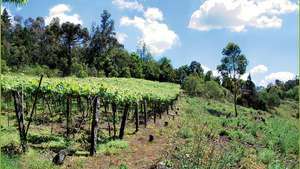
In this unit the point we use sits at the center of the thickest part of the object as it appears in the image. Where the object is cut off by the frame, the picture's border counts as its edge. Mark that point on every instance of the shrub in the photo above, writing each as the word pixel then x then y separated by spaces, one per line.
pixel 213 90
pixel 266 156
pixel 194 85
pixel 185 132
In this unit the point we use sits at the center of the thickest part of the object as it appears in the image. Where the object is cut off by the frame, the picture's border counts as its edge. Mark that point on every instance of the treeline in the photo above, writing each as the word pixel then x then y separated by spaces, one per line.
pixel 230 86
pixel 64 49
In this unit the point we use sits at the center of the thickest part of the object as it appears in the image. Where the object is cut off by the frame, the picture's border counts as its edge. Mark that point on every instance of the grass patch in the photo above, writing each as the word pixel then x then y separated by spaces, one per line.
pixel 112 147
pixel 9 162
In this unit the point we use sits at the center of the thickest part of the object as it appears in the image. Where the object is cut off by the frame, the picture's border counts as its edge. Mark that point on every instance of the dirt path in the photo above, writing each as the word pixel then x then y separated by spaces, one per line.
pixel 141 153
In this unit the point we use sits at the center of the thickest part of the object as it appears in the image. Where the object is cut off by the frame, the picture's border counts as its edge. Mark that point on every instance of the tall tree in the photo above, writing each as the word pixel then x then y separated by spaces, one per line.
pixel 72 35
pixel 167 74
pixel 103 38
pixel 182 72
pixel 195 68
pixel 233 65
pixel 5 34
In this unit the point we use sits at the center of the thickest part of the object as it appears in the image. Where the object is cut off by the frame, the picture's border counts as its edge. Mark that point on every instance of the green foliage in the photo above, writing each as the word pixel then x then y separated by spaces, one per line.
pixel 266 155
pixel 214 90
pixel 281 135
pixel 117 90
pixel 194 85
pixel 185 132
pixel 112 147
pixel 9 162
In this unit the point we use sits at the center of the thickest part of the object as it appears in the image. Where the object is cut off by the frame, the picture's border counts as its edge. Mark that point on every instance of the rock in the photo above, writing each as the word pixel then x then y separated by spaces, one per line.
pixel 60 157
pixel 151 138
pixel 162 165
pixel 166 124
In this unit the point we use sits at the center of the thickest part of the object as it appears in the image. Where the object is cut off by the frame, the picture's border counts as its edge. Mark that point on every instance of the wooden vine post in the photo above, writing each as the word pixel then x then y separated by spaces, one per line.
pixel 94 128
pixel 114 110
pixel 18 102
pixel 123 122
pixel 145 113
pixel 154 112
pixel 136 112
pixel 69 109
pixel 20 118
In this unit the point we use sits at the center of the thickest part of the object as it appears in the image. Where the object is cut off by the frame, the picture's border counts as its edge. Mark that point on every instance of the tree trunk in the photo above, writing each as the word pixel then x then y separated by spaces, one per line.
pixel 114 110
pixel 20 119
pixel 94 128
pixel 123 123
pixel 235 109
pixel 136 112
pixel 145 113
pixel 235 92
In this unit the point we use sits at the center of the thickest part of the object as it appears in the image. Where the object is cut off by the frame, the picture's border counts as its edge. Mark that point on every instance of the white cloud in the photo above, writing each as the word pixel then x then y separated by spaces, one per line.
pixel 153 14
pixel 238 15
pixel 155 33
pixel 60 11
pixel 125 4
pixel 121 37
pixel 206 69
pixel 259 69
pixel 283 76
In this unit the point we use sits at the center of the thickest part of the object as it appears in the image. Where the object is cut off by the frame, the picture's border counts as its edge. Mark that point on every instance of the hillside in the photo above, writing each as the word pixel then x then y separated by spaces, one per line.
pixel 203 134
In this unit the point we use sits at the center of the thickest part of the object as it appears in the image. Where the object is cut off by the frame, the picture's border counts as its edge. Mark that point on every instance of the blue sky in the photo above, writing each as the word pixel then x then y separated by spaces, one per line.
pixel 266 30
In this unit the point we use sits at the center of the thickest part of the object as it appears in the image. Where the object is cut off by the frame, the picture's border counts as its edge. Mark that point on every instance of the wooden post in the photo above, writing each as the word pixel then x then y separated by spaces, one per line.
pixel 155 111
pixel 94 128
pixel 136 111
pixel 123 123
pixel 18 102
pixel 145 113
pixel 160 111
pixel 68 112
pixel 114 110
pixel 107 118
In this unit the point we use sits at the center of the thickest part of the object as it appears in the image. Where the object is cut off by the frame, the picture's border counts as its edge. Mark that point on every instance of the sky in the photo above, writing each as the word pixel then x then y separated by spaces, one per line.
pixel 188 30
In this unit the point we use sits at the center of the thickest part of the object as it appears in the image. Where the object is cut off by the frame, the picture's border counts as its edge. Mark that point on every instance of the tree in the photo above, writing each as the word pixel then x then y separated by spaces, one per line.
pixel 233 65
pixel 167 73
pixel 103 38
pixel 5 34
pixel 144 52
pixel 182 72
pixel 71 35
pixel 17 2
pixel 195 68
pixel 208 76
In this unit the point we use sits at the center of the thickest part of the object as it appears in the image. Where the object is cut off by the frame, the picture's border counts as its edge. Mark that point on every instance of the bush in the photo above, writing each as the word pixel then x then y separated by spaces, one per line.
pixel 4 67
pixel 193 85
pixel 185 132
pixel 213 90
pixel 266 156
pixel 79 70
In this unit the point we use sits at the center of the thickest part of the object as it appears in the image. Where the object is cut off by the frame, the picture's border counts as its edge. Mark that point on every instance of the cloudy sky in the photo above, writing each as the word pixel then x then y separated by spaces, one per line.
pixel 187 30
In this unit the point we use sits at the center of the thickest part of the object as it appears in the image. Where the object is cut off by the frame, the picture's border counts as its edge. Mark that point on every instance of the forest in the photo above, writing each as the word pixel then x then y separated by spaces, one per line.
pixel 74 97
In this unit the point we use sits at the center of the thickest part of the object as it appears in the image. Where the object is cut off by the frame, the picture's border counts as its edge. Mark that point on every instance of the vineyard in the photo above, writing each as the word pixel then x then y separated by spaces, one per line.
pixel 89 99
